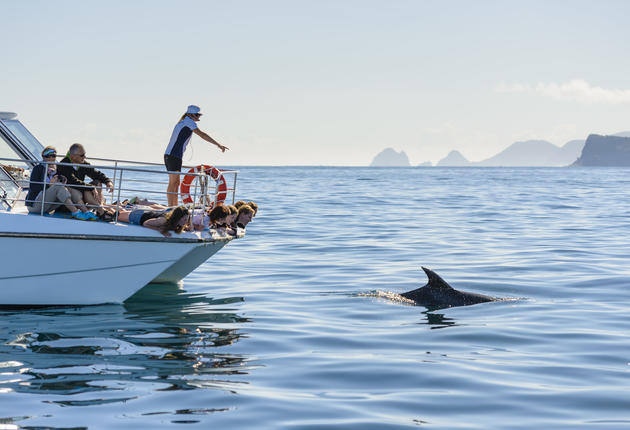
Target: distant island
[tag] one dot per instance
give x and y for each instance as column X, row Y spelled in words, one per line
column 454, row 158
column 597, row 150
column 605, row 151
column 390, row 158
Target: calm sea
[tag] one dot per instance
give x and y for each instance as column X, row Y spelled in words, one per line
column 292, row 326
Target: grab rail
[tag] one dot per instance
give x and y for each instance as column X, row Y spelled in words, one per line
column 121, row 184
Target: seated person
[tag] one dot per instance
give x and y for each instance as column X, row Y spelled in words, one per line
column 47, row 188
column 245, row 215
column 164, row 222
column 79, row 189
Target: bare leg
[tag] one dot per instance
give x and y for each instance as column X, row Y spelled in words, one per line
column 91, row 199
column 98, row 193
column 173, row 187
column 123, row 215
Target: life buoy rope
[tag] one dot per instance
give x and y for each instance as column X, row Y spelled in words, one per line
column 211, row 171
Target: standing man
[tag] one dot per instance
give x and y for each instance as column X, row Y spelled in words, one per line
column 177, row 145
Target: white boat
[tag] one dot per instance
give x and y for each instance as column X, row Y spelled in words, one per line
column 50, row 260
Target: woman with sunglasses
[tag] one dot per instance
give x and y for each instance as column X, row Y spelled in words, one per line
column 47, row 189
column 174, row 153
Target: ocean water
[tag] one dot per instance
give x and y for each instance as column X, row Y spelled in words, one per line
column 297, row 325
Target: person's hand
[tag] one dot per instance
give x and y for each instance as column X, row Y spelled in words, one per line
column 223, row 148
column 110, row 187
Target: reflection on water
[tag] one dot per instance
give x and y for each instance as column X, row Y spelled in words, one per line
column 161, row 339
column 439, row 320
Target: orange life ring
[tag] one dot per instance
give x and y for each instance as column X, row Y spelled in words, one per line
column 211, row 171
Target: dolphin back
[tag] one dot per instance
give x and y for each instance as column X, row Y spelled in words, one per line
column 437, row 293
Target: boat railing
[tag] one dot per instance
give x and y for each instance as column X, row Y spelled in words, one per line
column 146, row 180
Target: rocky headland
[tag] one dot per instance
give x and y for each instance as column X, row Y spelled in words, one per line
column 605, row 151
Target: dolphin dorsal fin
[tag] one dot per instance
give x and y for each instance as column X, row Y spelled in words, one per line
column 435, row 281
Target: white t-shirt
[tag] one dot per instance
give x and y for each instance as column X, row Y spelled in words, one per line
column 200, row 218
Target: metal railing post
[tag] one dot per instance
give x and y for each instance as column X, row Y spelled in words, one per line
column 118, row 196
column 234, row 188
column 216, row 191
column 114, row 176
column 44, row 187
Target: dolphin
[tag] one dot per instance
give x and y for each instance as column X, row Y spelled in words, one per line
column 438, row 294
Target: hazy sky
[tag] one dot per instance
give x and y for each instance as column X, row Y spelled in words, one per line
column 316, row 82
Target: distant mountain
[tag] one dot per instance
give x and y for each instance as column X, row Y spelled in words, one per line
column 622, row 134
column 568, row 153
column 535, row 153
column 454, row 158
column 425, row 164
column 605, row 151
column 528, row 153
column 390, row 158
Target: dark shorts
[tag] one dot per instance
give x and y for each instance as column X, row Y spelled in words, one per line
column 173, row 164
column 139, row 216
column 135, row 216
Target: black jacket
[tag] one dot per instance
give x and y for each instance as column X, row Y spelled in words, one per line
column 76, row 176
column 36, row 185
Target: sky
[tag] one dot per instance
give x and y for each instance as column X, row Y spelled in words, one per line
column 302, row 82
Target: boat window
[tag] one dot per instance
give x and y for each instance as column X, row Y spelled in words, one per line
column 8, row 189
column 7, row 151
column 25, row 137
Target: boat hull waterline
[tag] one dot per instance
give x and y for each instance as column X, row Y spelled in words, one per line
column 106, row 263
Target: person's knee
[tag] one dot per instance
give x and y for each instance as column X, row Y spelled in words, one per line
column 64, row 194
column 76, row 195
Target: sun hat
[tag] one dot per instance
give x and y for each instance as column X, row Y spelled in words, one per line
column 193, row 109
column 49, row 151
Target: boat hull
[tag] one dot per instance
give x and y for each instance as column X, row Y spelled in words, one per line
column 189, row 262
column 51, row 261
column 81, row 272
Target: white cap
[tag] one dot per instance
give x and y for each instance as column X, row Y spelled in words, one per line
column 193, row 109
